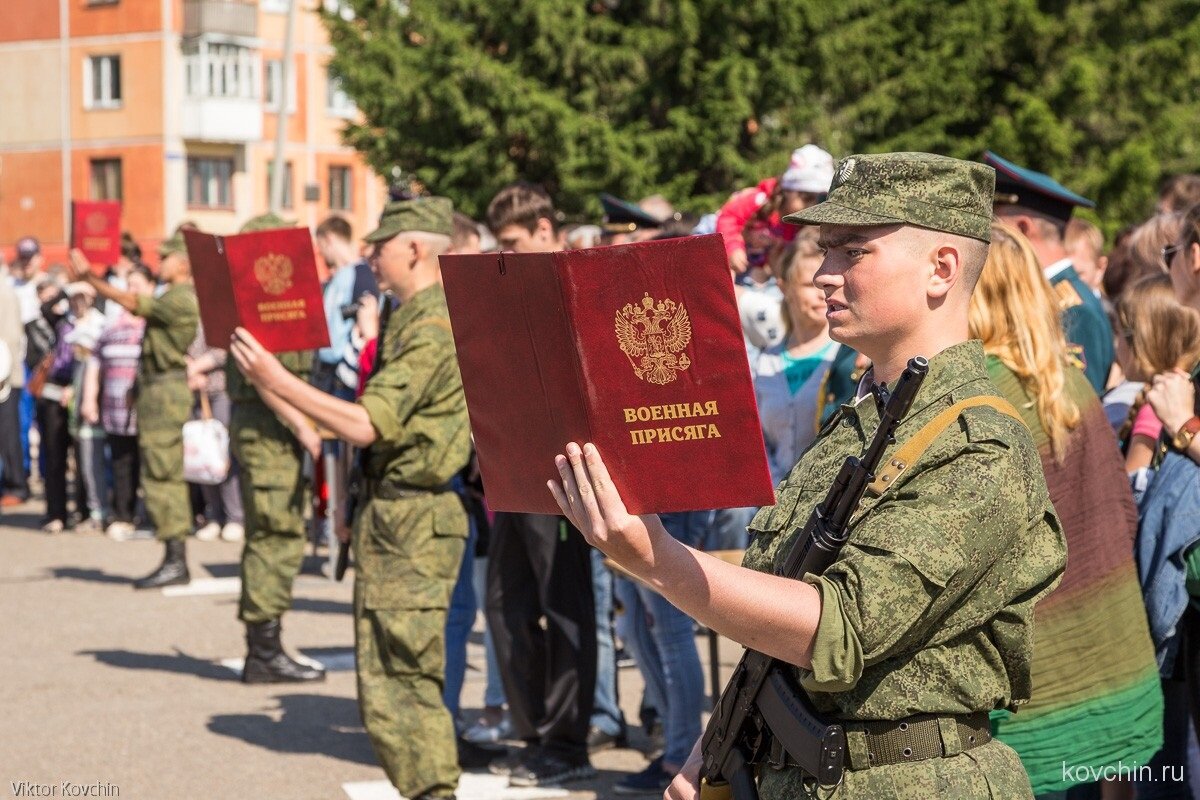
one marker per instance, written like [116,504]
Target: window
[210,182]
[275,6]
[341,189]
[220,70]
[287,182]
[102,82]
[271,87]
[106,179]
[102,2]
[337,102]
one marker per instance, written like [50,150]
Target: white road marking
[471,786]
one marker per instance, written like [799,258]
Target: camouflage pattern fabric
[171,320]
[929,609]
[990,772]
[922,189]
[164,403]
[408,542]
[426,214]
[274,495]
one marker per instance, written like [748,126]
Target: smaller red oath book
[96,230]
[636,348]
[265,281]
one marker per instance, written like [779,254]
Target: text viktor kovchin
[65,789]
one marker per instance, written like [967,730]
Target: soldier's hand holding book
[590,500]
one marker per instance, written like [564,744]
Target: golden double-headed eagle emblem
[274,272]
[653,335]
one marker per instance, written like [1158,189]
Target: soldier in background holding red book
[164,401]
[269,438]
[409,526]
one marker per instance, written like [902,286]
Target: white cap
[810,170]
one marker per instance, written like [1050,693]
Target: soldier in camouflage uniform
[409,528]
[924,623]
[164,402]
[269,439]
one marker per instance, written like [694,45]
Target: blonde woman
[1088,707]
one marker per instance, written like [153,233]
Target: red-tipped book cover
[636,348]
[265,281]
[96,230]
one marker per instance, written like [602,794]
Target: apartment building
[172,107]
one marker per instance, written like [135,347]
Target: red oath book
[636,348]
[96,230]
[266,282]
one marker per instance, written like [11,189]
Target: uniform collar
[1062,265]
[949,370]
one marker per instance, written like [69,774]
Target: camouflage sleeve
[176,306]
[914,558]
[393,394]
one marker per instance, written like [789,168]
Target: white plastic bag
[205,448]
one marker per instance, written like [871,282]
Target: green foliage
[696,98]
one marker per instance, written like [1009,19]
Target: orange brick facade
[57,138]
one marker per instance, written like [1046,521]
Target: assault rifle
[762,716]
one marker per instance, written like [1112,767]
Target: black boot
[267,663]
[172,571]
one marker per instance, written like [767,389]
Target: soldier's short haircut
[521,204]
[464,230]
[335,226]
[972,252]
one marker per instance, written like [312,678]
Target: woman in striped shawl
[1096,698]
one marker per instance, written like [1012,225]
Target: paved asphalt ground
[100,684]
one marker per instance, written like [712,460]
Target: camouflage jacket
[929,608]
[170,328]
[242,392]
[415,400]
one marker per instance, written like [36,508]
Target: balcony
[221,119]
[221,98]
[220,18]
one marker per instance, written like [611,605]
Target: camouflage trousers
[273,494]
[407,553]
[990,772]
[164,403]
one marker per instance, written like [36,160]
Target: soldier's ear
[947,269]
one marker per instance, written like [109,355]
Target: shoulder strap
[915,447]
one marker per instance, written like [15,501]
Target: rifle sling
[915,447]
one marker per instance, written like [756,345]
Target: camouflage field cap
[427,214]
[265,222]
[922,189]
[171,246]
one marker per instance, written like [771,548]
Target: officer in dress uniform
[1040,207]
[626,222]
[410,527]
[924,623]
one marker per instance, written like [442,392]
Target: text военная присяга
[673,412]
